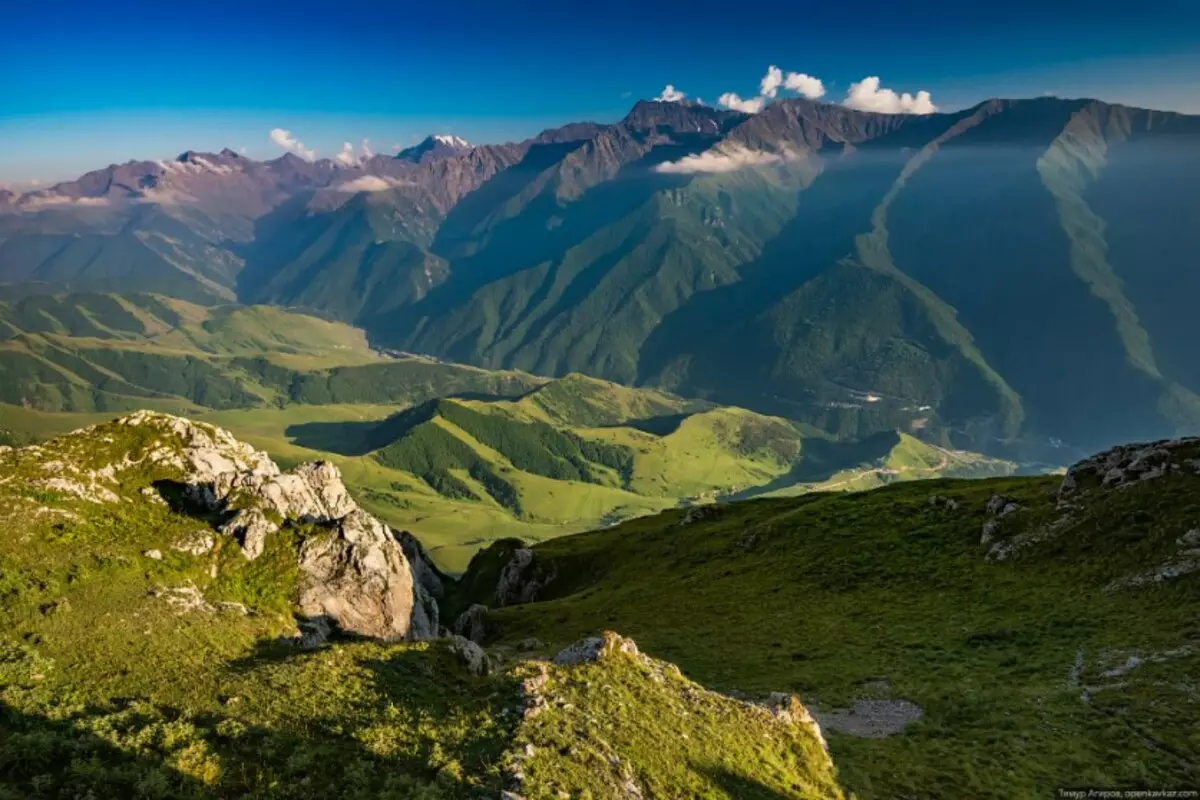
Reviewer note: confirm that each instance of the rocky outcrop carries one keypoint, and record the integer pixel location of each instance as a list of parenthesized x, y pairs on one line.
[(472, 623), (356, 577), (1129, 465), (251, 528), (359, 576), (595, 648), (521, 580), (998, 506), (471, 654)]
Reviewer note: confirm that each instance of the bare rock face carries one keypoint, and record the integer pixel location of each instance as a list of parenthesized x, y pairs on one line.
[(472, 623), (357, 577), (425, 573), (312, 492), (520, 580)]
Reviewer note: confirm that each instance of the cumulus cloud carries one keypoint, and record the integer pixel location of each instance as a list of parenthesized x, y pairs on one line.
[(771, 82), (370, 183), (726, 159), (284, 139), (768, 89), (670, 95), (732, 101), (366, 148), (805, 85), (868, 95)]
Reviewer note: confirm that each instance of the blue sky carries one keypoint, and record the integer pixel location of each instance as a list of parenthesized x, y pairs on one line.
[(87, 84)]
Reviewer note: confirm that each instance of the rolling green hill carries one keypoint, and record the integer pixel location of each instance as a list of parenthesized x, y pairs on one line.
[(578, 453)]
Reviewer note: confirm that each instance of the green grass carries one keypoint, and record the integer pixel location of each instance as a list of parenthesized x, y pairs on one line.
[(107, 690), (820, 594), (628, 719)]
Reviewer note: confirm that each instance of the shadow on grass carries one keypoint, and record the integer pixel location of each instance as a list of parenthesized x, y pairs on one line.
[(437, 733), (820, 460), (740, 787)]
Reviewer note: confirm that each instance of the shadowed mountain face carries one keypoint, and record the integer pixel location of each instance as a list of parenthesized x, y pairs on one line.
[(1014, 277)]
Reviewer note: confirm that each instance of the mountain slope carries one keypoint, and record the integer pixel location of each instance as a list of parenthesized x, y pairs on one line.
[(1007, 277), (985, 638), (152, 648)]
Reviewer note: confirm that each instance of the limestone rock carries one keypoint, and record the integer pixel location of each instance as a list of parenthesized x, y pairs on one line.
[(155, 555), (472, 623), (250, 527), (471, 654), (595, 648), (197, 543), (311, 492), (357, 577)]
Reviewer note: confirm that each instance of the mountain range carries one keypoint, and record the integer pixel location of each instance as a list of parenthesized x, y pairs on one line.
[(1013, 277)]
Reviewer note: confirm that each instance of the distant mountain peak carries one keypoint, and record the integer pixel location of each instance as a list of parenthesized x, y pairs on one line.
[(434, 146)]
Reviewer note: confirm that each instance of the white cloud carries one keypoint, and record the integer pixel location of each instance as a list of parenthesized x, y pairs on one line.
[(670, 95), (768, 89), (370, 183), (346, 158), (806, 85), (36, 201), (867, 95), (732, 101), (397, 147), (349, 158), (724, 159), (284, 139), (164, 197), (771, 82)]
